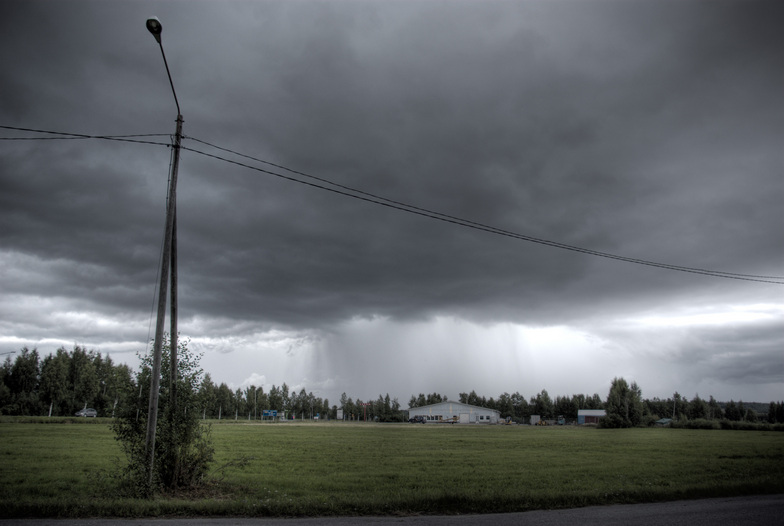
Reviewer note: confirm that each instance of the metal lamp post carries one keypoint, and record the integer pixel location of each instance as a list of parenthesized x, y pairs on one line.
[(168, 261)]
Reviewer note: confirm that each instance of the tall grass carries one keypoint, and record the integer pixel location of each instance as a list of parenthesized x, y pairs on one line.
[(350, 469)]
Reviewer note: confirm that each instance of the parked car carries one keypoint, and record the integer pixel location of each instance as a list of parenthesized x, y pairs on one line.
[(87, 411), (418, 419)]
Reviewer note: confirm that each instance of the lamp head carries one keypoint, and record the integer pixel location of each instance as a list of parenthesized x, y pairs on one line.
[(154, 27)]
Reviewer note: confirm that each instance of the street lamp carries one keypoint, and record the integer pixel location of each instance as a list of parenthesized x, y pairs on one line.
[(154, 26), (168, 261)]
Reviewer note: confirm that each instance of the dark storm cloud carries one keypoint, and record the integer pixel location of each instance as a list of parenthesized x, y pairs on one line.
[(650, 130), (739, 354)]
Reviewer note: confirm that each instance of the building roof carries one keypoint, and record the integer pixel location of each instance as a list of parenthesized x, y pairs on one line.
[(591, 412), (455, 403)]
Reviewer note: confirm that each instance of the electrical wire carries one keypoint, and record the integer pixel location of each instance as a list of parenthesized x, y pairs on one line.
[(75, 136), (122, 138), (390, 203), (379, 200)]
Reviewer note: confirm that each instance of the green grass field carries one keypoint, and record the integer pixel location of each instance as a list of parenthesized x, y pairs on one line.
[(355, 469)]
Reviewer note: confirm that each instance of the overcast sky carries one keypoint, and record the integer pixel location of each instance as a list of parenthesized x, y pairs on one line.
[(649, 130)]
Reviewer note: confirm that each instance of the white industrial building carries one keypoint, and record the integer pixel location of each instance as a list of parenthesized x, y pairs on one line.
[(457, 412)]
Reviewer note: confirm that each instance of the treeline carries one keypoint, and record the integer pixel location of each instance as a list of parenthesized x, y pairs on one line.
[(679, 408), (219, 401), (623, 399), (66, 381), (62, 383)]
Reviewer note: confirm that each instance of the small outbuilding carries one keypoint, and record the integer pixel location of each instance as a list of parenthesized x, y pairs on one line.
[(590, 416), (456, 412)]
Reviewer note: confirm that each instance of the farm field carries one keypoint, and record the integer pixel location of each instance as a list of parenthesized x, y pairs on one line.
[(310, 469)]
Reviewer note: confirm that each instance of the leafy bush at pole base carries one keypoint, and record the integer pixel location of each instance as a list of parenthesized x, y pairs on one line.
[(183, 445)]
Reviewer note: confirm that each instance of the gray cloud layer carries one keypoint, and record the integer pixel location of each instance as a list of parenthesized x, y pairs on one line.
[(651, 130)]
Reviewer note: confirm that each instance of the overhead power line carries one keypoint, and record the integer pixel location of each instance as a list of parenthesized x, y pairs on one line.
[(79, 136), (330, 186), (398, 205)]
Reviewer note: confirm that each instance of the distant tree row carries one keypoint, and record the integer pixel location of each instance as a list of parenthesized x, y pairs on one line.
[(423, 399), (776, 413), (67, 381), (250, 403), (624, 405), (382, 409), (62, 383), (679, 408)]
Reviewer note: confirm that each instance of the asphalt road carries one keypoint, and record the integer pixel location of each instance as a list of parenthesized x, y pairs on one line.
[(736, 511)]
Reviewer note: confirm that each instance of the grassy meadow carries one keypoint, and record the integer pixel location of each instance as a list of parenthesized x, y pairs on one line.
[(308, 469)]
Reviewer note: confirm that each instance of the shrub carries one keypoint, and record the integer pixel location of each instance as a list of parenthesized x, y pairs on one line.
[(697, 423), (731, 425), (183, 446), (649, 420), (612, 421)]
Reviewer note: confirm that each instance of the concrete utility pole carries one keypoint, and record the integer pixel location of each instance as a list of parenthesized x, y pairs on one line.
[(168, 261)]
